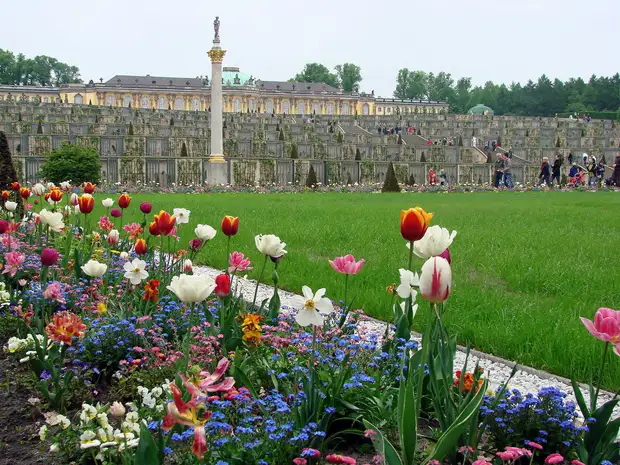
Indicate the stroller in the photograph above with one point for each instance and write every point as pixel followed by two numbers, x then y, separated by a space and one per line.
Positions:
pixel 578 180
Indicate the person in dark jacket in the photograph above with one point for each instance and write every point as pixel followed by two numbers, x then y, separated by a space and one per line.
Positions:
pixel 616 176
pixel 499 169
pixel 557 164
pixel 570 158
pixel 573 171
pixel 545 172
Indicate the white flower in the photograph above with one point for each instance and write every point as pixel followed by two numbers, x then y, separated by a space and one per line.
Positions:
pixel 204 232
pixel 43 432
pixel 403 307
pixel 182 215
pixel 270 245
pixel 65 185
pixel 188 266
pixel 192 288
pixel 94 269
pixel 52 219
pixel 107 203
pixel 124 255
pixel 10 206
pixel 134 271
pixel 54 448
pixel 73 200
pixel 117 409
pixel 408 281
pixel 436 279
pixel 38 189
pixel 113 237
pixel 435 241
pixel 312 307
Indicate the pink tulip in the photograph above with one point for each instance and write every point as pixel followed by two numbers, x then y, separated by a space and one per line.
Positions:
pixel 436 280
pixel 446 254
pixel 347 264
pixel 54 292
pixel 146 208
pixel 606 326
pixel 13 262
pixel 115 213
pixel 553 459
pixel 49 257
pixel 237 262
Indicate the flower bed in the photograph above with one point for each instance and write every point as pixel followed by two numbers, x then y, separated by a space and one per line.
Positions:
pixel 133 359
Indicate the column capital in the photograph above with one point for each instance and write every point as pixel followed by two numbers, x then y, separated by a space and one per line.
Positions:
pixel 216 55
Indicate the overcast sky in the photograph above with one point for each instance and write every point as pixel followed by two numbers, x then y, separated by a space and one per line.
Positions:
pixel 498 40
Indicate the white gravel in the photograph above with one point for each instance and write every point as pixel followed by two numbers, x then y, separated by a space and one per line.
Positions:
pixel 497 370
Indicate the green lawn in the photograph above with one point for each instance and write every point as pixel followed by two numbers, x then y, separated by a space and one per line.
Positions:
pixel 525 265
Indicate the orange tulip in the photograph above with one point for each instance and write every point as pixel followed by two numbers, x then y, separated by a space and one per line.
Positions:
pixel 15 186
pixel 230 225
pixel 124 200
pixel 140 247
pixel 55 194
pixel 154 229
pixel 165 222
pixel 24 192
pixel 6 195
pixel 89 187
pixel 86 203
pixel 414 223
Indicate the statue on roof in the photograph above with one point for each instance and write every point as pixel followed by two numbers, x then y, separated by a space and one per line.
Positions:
pixel 216 27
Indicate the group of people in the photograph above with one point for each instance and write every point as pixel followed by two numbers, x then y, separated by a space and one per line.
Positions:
pixel 594 169
pixel 442 179
pixel 503 170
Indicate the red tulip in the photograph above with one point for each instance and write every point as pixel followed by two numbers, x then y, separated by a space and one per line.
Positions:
pixel 165 222
pixel 24 192
pixel 6 195
pixel 55 195
pixel 115 213
pixel 124 200
pixel 140 247
pixel 146 208
pixel 4 226
pixel 89 187
pixel 154 229
pixel 86 203
pixel 222 285
pixel 414 223
pixel 230 225
pixel 15 186
pixel 49 257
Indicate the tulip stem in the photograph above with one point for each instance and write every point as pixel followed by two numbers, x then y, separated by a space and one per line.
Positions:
pixel 345 309
pixel 410 255
pixel 260 276
pixel 227 254
pixel 599 379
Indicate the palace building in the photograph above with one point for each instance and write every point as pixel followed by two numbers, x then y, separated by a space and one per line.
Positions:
pixel 242 93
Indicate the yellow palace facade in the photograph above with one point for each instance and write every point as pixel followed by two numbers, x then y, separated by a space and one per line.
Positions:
pixel 241 92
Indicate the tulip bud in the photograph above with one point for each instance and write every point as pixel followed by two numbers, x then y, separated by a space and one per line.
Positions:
pixel 4 226
pixel 446 254
pixel 124 255
pixel 140 247
pixel 49 257
pixel 113 237
pixel 107 203
pixel 86 203
pixel 146 208
pixel 15 186
pixel 55 195
pixel 188 266
pixel 115 213
pixel 10 206
pixel 124 200
pixel 89 187
pixel 38 189
pixel 117 409
pixel 414 223
pixel 74 199
pixel 230 225
pixel 154 229
pixel 222 285
pixel 5 195
pixel 24 192
pixel 195 244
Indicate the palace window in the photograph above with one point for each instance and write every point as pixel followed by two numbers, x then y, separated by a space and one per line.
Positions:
pixel 269 106
pixel 46 100
pixel 316 109
pixel 345 109
pixel 237 105
pixel 109 100
pixel 301 108
pixel 389 110
pixel 178 104
pixel 366 109
pixel 144 102
pixel 161 103
pixel 195 104
pixel 127 100
pixel 251 105
pixel 286 107
pixel 78 100
pixel 330 108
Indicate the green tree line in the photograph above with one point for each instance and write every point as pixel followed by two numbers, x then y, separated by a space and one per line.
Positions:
pixel 346 76
pixel 541 98
pixel 38 71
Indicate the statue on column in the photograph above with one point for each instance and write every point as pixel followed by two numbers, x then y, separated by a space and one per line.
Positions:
pixel 216 27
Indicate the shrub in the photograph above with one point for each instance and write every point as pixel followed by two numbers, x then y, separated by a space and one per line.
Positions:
pixel 130 130
pixel 294 154
pixel 411 180
pixel 183 150
pixel 349 180
pixel 340 137
pixel 460 141
pixel 281 136
pixel 8 174
pixel 391 183
pixel 423 158
pixel 39 128
pixel 72 162
pixel 311 180
pixel 358 154
pixel 499 141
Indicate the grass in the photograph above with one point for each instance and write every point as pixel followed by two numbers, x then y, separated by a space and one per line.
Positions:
pixel 526 266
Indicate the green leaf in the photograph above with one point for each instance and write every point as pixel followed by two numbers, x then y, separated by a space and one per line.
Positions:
pixel 602 416
pixel 383 446
pixel 146 453
pixel 244 380
pixel 580 400
pixel 274 306
pixel 408 421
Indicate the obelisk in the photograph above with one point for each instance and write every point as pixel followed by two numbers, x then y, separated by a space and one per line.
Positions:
pixel 217 169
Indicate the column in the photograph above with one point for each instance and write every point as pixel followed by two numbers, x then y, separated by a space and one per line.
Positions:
pixel 217 145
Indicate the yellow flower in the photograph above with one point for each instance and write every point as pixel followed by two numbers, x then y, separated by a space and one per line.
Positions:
pixel 102 308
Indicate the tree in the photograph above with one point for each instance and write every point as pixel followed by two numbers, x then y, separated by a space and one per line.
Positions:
pixel 391 183
pixel 183 150
pixel 340 137
pixel 411 85
pixel 358 154
pixel 411 181
pixel 38 71
pixel 8 174
pixel 316 72
pixel 77 163
pixel 311 179
pixel 423 158
pixel 130 129
pixel 400 140
pixel 294 154
pixel 349 75
pixel 39 128
pixel 281 136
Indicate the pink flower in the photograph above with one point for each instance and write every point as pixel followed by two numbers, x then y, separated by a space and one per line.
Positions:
pixel 347 264
pixel 481 462
pixel 606 326
pixel 300 461
pixel 238 263
pixel 134 230
pixel 466 450
pixel 534 445
pixel 335 458
pixel 553 459
pixel 208 381
pixel 446 254
pixel 54 292
pixel 105 224
pixel 195 244
pixel 436 280
pixel 116 213
pixel 577 462
pixel 12 262
pixel 370 434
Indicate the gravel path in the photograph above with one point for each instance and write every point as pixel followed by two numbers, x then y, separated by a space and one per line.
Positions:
pixel 497 370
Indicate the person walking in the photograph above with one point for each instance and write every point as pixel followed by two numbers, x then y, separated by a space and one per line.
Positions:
pixel 499 169
pixel 508 171
pixel 592 166
pixel 557 164
pixel 545 172
pixel 600 173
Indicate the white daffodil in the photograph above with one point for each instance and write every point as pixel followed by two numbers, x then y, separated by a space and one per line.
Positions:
pixel 312 307
pixel 408 282
pixel 134 271
pixel 205 232
pixel 435 241
pixel 270 245
pixel 52 219
pixel 192 288
pixel 107 203
pixel 182 215
pixel 94 269
pixel 10 206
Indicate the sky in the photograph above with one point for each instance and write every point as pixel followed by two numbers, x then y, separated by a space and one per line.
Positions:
pixel 497 40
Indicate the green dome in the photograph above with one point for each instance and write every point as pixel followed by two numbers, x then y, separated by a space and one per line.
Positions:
pixel 481 109
pixel 231 76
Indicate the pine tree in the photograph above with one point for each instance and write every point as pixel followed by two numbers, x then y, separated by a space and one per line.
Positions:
pixel 400 140
pixel 340 137
pixel 8 174
pixel 419 132
pixel 39 128
pixel 358 154
pixel 489 158
pixel 460 141
pixel 130 130
pixel 294 151
pixel 499 141
pixel 90 102
pixel 349 180
pixel 281 136
pixel 19 117
pixel 183 150
pixel 171 121
pixel 423 158
pixel 557 141
pixel 311 179
pixel 391 183
pixel 411 180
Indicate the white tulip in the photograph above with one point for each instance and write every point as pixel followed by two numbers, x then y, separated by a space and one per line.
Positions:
pixel 50 185
pixel 10 206
pixel 94 269
pixel 182 215
pixel 312 307
pixel 73 200
pixel 436 279
pixel 107 203
pixel 38 189
pixel 113 237
pixel 124 255
pixel 270 245
pixel 205 232
pixel 134 271
pixel 52 219
pixel 414 308
pixel 188 266
pixel 65 185
pixel 192 288
pixel 408 281
pixel 435 241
